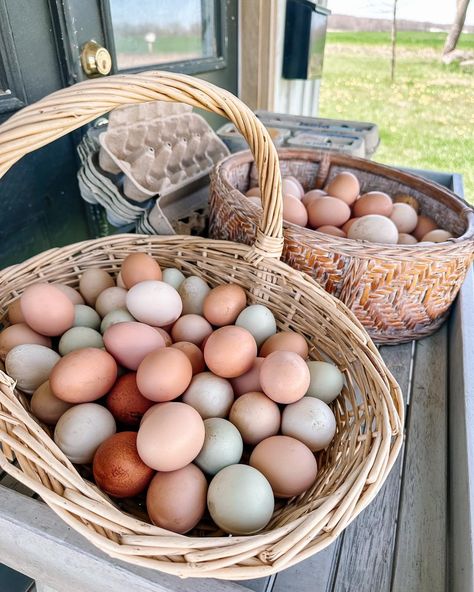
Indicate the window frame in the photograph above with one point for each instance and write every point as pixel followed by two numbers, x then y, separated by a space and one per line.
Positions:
pixel 13 95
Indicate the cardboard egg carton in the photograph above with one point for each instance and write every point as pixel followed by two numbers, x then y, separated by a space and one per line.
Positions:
pixel 159 154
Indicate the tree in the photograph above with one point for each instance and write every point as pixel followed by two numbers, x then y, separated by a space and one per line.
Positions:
pixel 457 26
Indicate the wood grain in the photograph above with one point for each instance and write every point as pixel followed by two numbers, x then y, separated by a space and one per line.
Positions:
pixel 420 554
pixel 366 555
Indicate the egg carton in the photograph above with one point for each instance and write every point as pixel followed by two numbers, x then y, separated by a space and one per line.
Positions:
pixel 235 141
pixel 353 145
pixel 181 211
pixel 161 155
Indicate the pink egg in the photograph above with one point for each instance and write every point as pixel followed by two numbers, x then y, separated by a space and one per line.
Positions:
pixel 294 210
pixel 290 187
pixel 313 194
pixel 328 211
pixel 130 342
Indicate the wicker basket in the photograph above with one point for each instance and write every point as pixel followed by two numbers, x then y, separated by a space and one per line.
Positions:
pixel 369 411
pixel 398 292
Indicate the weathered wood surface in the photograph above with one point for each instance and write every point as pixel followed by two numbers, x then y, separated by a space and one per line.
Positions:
pixel 420 552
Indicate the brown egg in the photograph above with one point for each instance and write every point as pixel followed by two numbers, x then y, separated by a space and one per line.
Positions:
pixel 14 312
pixel 285 341
pixel 19 334
pixel 130 342
pixel 344 186
pixel 330 210
pixel 230 351
pixel 194 355
pixel 406 239
pixel 288 464
pixel 256 417
pixel 296 184
pixel 404 217
pixel 408 199
pixel 425 225
pixel 45 406
pixel 139 267
pixel 93 282
pixel 83 375
pixel 171 436
pixel 176 501
pixel 47 310
pixel 290 187
pixel 374 202
pixel 312 195
pixel 192 328
pixel 117 468
pixel 437 236
pixel 111 299
pixel 166 336
pixel 348 224
pixel 72 294
pixel 250 381
pixel 253 192
pixel 294 210
pixel 164 374
pixel 332 230
pixel 284 377
pixel 224 303
pixel 125 402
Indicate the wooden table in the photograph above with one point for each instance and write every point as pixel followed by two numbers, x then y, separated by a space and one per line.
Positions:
pixel 415 536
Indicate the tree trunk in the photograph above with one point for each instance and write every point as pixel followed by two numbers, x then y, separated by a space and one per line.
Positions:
pixel 394 40
pixel 456 28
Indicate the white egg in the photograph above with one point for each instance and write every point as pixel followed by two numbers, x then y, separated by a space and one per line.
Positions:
pixel 222 446
pixel 404 217
pixel 437 236
pixel 115 316
pixel 326 381
pixel 375 229
pixel 79 338
pixel 154 302
pixel 310 421
pixel 240 500
pixel 173 277
pixel 259 321
pixel 193 292
pixel 210 395
pixel 30 365
pixel 86 316
pixel 82 429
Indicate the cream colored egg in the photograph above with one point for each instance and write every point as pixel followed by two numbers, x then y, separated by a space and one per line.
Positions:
pixel 259 321
pixel 82 429
pixel 406 239
pixel 404 217
pixel 326 381
pixel 45 406
pixel 375 229
pixel 120 315
pixel 86 316
pixel 210 395
pixel 30 365
pixel 173 277
pixel 154 302
pixel 437 236
pixel 240 500
pixel 222 446
pixel 310 421
pixel 110 299
pixel 193 292
pixel 93 282
pixel 79 338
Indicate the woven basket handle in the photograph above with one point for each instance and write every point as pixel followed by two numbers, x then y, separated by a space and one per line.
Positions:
pixel 70 108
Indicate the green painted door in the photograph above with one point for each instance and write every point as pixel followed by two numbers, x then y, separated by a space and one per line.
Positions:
pixel 40 44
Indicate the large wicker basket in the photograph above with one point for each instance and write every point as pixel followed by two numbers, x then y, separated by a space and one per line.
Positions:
pixel 369 411
pixel 398 292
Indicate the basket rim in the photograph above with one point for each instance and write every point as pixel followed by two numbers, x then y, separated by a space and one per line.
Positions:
pixel 360 491
pixel 431 188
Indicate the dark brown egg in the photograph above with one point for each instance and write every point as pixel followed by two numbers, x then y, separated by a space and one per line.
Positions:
pixel 125 401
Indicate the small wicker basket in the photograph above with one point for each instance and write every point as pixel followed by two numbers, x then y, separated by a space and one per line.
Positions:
pixel 398 292
pixel 369 412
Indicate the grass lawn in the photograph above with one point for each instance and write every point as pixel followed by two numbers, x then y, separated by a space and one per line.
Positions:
pixel 425 118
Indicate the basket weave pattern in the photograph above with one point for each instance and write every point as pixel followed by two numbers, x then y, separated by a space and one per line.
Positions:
pixel 369 412
pixel 399 293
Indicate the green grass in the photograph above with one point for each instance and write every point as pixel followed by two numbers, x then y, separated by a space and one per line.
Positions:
pixel 425 118
pixel 164 44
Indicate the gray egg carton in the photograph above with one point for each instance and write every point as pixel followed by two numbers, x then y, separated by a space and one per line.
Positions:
pixel 352 145
pixel 161 154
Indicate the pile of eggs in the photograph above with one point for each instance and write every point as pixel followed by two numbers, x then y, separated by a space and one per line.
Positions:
pixel 340 210
pixel 174 390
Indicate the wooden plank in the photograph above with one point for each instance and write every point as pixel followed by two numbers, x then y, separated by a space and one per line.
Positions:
pixel 461 441
pixel 366 555
pixel 420 554
pixel 34 541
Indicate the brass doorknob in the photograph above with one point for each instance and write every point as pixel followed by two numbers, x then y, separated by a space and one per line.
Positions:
pixel 95 60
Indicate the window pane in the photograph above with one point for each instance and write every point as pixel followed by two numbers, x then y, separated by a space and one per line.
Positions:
pixel 154 32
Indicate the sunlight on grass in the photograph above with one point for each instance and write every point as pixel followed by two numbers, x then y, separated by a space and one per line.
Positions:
pixel 425 117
